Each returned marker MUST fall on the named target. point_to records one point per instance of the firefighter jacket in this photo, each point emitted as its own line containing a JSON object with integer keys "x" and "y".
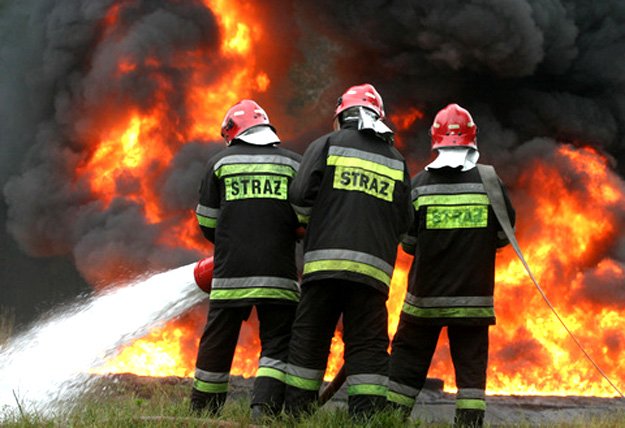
{"x": 244, "y": 210}
{"x": 454, "y": 239}
{"x": 353, "y": 191}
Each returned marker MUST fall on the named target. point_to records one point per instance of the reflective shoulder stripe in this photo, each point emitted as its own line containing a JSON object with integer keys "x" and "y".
{"x": 215, "y": 377}
{"x": 348, "y": 157}
{"x": 361, "y": 154}
{"x": 257, "y": 159}
{"x": 447, "y": 189}
{"x": 226, "y": 170}
{"x": 345, "y": 254}
{"x": 449, "y": 301}
{"x": 254, "y": 293}
{"x": 448, "y": 312}
{"x": 471, "y": 404}
{"x": 255, "y": 282}
{"x": 460, "y": 199}
{"x": 209, "y": 387}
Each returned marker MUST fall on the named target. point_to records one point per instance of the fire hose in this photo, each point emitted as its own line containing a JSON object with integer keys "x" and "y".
{"x": 495, "y": 195}
{"x": 203, "y": 274}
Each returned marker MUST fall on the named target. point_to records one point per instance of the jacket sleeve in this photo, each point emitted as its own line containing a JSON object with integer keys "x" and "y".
{"x": 305, "y": 187}
{"x": 409, "y": 239}
{"x": 208, "y": 208}
{"x": 502, "y": 239}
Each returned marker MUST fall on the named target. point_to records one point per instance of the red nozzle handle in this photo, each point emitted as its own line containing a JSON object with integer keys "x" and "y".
{"x": 203, "y": 274}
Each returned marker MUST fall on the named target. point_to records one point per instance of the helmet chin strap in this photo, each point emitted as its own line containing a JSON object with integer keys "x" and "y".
{"x": 464, "y": 158}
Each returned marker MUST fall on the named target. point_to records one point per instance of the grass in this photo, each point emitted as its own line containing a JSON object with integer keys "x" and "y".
{"x": 129, "y": 401}
{"x": 133, "y": 401}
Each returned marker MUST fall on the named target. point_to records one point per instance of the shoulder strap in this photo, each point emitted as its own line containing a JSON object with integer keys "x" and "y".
{"x": 497, "y": 202}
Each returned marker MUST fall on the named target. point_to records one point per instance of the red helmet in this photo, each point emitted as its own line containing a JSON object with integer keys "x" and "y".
{"x": 242, "y": 116}
{"x": 362, "y": 95}
{"x": 453, "y": 127}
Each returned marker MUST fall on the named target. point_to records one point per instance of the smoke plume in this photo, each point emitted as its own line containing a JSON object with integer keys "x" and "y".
{"x": 535, "y": 75}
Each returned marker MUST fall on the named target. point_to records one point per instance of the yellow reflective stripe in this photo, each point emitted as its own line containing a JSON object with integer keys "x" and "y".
{"x": 448, "y": 312}
{"x": 254, "y": 168}
{"x": 398, "y": 398}
{"x": 272, "y": 373}
{"x": 462, "y": 199}
{"x": 365, "y": 389}
{"x": 395, "y": 174}
{"x": 200, "y": 385}
{"x": 206, "y": 221}
{"x": 456, "y": 217}
{"x": 470, "y": 403}
{"x": 254, "y": 293}
{"x": 303, "y": 219}
{"x": 303, "y": 383}
{"x": 348, "y": 265}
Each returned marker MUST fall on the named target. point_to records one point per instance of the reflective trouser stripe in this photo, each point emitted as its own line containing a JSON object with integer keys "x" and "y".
{"x": 367, "y": 384}
{"x": 402, "y": 399}
{"x": 303, "y": 383}
{"x": 304, "y": 378}
{"x": 448, "y": 312}
{"x": 210, "y": 387}
{"x": 272, "y": 373}
{"x": 471, "y": 403}
{"x": 251, "y": 293}
{"x": 365, "y": 389}
{"x": 348, "y": 265}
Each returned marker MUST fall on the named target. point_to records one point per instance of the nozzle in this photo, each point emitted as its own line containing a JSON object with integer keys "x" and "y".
{"x": 203, "y": 274}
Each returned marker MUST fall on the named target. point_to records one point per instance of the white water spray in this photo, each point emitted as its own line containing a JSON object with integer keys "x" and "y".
{"x": 47, "y": 366}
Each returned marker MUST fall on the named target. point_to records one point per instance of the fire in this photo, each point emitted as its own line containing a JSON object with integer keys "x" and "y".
{"x": 566, "y": 209}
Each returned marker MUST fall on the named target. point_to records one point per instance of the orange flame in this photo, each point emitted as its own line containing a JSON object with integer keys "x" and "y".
{"x": 566, "y": 222}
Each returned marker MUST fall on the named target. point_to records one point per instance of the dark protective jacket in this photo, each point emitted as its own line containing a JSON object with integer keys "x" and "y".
{"x": 244, "y": 210}
{"x": 454, "y": 238}
{"x": 353, "y": 190}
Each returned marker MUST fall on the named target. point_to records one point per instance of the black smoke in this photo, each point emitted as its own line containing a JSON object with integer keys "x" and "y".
{"x": 535, "y": 74}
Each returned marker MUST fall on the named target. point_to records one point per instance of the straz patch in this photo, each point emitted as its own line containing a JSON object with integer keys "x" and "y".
{"x": 256, "y": 186}
{"x": 361, "y": 180}
{"x": 456, "y": 217}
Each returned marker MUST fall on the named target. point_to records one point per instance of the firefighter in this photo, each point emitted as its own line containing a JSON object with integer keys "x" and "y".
{"x": 244, "y": 211}
{"x": 353, "y": 192}
{"x": 454, "y": 238}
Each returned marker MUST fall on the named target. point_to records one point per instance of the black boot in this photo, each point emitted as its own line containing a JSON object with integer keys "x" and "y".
{"x": 469, "y": 418}
{"x": 202, "y": 402}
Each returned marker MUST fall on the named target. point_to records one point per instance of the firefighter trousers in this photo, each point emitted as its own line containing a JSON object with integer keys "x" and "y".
{"x": 412, "y": 351}
{"x": 216, "y": 351}
{"x": 366, "y": 342}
